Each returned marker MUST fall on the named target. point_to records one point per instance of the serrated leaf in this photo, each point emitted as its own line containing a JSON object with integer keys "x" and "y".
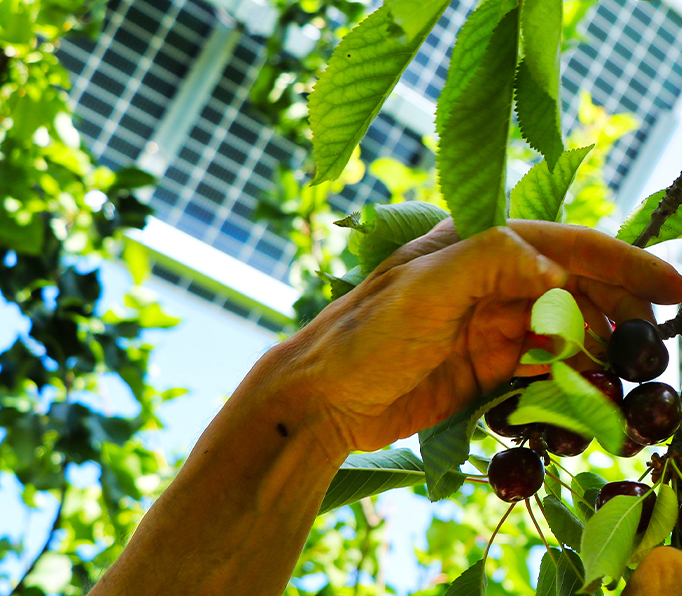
{"x": 366, "y": 474}
{"x": 473, "y": 582}
{"x": 540, "y": 194}
{"x": 472, "y": 42}
{"x": 389, "y": 227}
{"x": 539, "y": 117}
{"x": 360, "y": 75}
{"x": 445, "y": 447}
{"x": 412, "y": 16}
{"x": 556, "y": 313}
{"x": 640, "y": 216}
{"x": 479, "y": 462}
{"x": 547, "y": 576}
{"x": 570, "y": 401}
{"x": 344, "y": 284}
{"x": 473, "y": 124}
{"x": 553, "y": 486}
{"x": 587, "y": 485}
{"x": 569, "y": 574}
{"x": 537, "y": 81}
{"x": 608, "y": 539}
{"x": 565, "y": 526}
{"x": 662, "y": 522}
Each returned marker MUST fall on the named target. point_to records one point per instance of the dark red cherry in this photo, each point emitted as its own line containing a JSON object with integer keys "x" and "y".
{"x": 629, "y": 489}
{"x": 653, "y": 411}
{"x": 564, "y": 442}
{"x": 516, "y": 474}
{"x": 608, "y": 382}
{"x": 496, "y": 419}
{"x": 630, "y": 448}
{"x": 636, "y": 351}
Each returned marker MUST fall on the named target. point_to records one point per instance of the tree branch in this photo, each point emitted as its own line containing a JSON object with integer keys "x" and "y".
{"x": 55, "y": 526}
{"x": 667, "y": 207}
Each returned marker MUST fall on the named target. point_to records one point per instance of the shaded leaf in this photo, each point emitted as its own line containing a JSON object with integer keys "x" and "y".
{"x": 587, "y": 485}
{"x": 445, "y": 447}
{"x": 608, "y": 540}
{"x": 547, "y": 576}
{"x": 569, "y": 574}
{"x": 565, "y": 526}
{"x": 473, "y": 582}
{"x": 540, "y": 194}
{"x": 662, "y": 522}
{"x": 360, "y": 75}
{"x": 366, "y": 474}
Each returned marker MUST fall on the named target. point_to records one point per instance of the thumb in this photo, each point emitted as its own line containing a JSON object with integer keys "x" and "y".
{"x": 659, "y": 574}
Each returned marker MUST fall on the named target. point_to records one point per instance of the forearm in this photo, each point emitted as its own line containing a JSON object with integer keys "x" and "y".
{"x": 236, "y": 517}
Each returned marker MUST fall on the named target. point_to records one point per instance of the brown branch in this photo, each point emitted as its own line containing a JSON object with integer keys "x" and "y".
{"x": 667, "y": 207}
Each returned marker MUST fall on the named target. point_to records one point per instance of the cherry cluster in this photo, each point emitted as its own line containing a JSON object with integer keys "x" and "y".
{"x": 652, "y": 412}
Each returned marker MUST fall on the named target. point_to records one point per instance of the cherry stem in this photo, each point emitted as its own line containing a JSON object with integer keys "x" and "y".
{"x": 595, "y": 336}
{"x": 593, "y": 358}
{"x": 478, "y": 479}
{"x": 493, "y": 436}
{"x": 496, "y": 530}
{"x": 558, "y": 465}
{"x": 672, "y": 461}
{"x": 569, "y": 488}
{"x": 537, "y": 527}
{"x": 646, "y": 473}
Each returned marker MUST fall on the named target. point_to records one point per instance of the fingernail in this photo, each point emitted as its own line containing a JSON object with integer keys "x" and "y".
{"x": 552, "y": 274}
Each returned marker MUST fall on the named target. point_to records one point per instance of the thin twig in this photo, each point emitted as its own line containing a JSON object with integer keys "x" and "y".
{"x": 666, "y": 208}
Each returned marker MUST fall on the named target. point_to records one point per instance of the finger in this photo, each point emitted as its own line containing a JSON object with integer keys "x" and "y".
{"x": 616, "y": 302}
{"x": 600, "y": 257}
{"x": 659, "y": 574}
{"x": 496, "y": 263}
{"x": 443, "y": 234}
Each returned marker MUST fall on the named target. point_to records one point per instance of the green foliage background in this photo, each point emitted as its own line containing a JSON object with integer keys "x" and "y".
{"x": 61, "y": 215}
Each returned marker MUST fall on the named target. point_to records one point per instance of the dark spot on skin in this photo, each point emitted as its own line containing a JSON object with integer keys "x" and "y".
{"x": 206, "y": 451}
{"x": 349, "y": 55}
{"x": 282, "y": 430}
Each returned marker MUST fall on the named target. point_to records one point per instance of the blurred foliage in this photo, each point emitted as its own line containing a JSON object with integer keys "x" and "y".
{"x": 60, "y": 216}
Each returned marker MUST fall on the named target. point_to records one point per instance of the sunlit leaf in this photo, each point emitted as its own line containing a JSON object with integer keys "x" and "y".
{"x": 413, "y": 16}
{"x": 473, "y": 582}
{"x": 540, "y": 193}
{"x": 662, "y": 522}
{"x": 640, "y": 216}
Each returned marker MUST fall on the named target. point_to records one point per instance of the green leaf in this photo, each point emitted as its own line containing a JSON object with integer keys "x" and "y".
{"x": 360, "y": 75}
{"x": 473, "y": 122}
{"x": 473, "y": 582}
{"x": 539, "y": 117}
{"x": 608, "y": 538}
{"x": 547, "y": 576}
{"x": 366, "y": 474}
{"x": 565, "y": 526}
{"x": 135, "y": 256}
{"x": 389, "y": 227}
{"x": 344, "y": 284}
{"x": 662, "y": 522}
{"x": 556, "y": 313}
{"x": 537, "y": 82}
{"x": 479, "y": 462}
{"x": 572, "y": 402}
{"x": 569, "y": 574}
{"x": 52, "y": 573}
{"x": 445, "y": 447}
{"x": 540, "y": 194}
{"x": 131, "y": 178}
{"x": 640, "y": 216}
{"x": 25, "y": 238}
{"x": 413, "y": 16}
{"x": 587, "y": 485}
{"x": 553, "y": 486}
{"x": 469, "y": 51}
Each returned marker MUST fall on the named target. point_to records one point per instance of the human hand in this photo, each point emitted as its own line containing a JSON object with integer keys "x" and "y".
{"x": 441, "y": 322}
{"x": 659, "y": 574}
